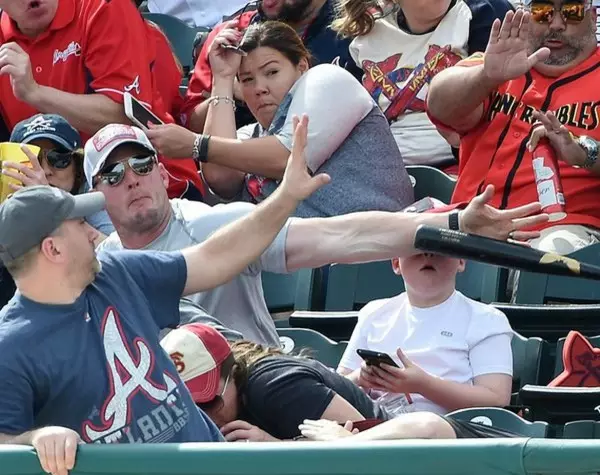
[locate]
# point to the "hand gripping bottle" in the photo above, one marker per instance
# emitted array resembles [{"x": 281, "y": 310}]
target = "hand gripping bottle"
[{"x": 547, "y": 180}]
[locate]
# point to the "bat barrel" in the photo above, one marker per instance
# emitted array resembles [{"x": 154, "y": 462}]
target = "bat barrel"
[{"x": 500, "y": 253}]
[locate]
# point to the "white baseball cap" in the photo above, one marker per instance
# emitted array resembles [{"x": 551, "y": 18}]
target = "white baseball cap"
[{"x": 99, "y": 147}]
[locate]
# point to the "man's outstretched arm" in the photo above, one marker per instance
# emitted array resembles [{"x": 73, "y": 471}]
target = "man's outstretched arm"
[
  {"x": 377, "y": 236},
  {"x": 231, "y": 249}
]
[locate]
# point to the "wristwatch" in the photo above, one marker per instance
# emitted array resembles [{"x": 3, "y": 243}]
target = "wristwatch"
[
  {"x": 591, "y": 149},
  {"x": 453, "y": 221}
]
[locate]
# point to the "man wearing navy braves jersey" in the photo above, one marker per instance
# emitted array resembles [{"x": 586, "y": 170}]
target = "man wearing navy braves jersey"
[{"x": 81, "y": 359}]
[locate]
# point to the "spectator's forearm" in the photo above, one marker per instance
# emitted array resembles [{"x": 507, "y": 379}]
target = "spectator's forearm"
[
  {"x": 355, "y": 238},
  {"x": 198, "y": 117},
  {"x": 220, "y": 122},
  {"x": 21, "y": 439},
  {"x": 265, "y": 156},
  {"x": 86, "y": 112},
  {"x": 220, "y": 118},
  {"x": 456, "y": 96},
  {"x": 452, "y": 395}
]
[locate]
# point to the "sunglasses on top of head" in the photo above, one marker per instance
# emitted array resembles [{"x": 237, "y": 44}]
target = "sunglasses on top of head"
[
  {"x": 571, "y": 12},
  {"x": 114, "y": 173},
  {"x": 57, "y": 158}
]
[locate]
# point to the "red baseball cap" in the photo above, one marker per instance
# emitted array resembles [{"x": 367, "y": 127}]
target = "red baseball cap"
[{"x": 198, "y": 352}]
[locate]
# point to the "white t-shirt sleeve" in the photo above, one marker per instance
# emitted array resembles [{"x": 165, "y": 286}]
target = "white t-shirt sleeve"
[
  {"x": 245, "y": 132},
  {"x": 350, "y": 359},
  {"x": 272, "y": 260},
  {"x": 334, "y": 102},
  {"x": 489, "y": 339},
  {"x": 353, "y": 48}
]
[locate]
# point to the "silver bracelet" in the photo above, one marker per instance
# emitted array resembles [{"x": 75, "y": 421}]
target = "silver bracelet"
[{"x": 227, "y": 100}]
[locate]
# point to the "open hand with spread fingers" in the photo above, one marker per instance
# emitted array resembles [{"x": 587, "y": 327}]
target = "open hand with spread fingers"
[
  {"x": 297, "y": 181},
  {"x": 507, "y": 56},
  {"x": 28, "y": 175},
  {"x": 481, "y": 218},
  {"x": 562, "y": 141}
]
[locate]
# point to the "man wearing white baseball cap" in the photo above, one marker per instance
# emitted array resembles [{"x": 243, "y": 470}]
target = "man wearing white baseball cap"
[
  {"x": 117, "y": 147},
  {"x": 119, "y": 165},
  {"x": 96, "y": 372}
]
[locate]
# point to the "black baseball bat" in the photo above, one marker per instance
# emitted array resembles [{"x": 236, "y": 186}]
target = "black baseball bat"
[{"x": 500, "y": 253}]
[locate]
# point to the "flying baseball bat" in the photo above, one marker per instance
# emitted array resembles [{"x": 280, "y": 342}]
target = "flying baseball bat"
[{"x": 500, "y": 253}]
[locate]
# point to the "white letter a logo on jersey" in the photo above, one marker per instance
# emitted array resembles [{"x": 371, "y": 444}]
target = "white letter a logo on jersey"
[{"x": 128, "y": 374}]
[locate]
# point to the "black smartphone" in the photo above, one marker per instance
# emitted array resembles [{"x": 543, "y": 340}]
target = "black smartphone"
[{"x": 375, "y": 358}]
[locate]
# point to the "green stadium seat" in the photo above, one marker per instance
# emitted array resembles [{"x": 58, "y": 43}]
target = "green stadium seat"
[
  {"x": 179, "y": 34},
  {"x": 561, "y": 405},
  {"x": 542, "y": 289},
  {"x": 502, "y": 419},
  {"x": 295, "y": 291},
  {"x": 581, "y": 430},
  {"x": 431, "y": 182},
  {"x": 552, "y": 322},
  {"x": 352, "y": 286},
  {"x": 323, "y": 349},
  {"x": 527, "y": 360}
]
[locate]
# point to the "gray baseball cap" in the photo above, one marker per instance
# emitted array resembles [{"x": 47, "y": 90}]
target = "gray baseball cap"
[{"x": 33, "y": 213}]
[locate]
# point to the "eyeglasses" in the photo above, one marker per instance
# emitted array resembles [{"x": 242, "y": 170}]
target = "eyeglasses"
[
  {"x": 114, "y": 173},
  {"x": 571, "y": 12},
  {"x": 57, "y": 158}
]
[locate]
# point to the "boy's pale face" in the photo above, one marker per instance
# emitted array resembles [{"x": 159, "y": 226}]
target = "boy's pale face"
[{"x": 427, "y": 273}]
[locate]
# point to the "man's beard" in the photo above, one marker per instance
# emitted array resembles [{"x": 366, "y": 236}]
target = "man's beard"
[
  {"x": 144, "y": 222},
  {"x": 92, "y": 271},
  {"x": 572, "y": 46},
  {"x": 294, "y": 12}
]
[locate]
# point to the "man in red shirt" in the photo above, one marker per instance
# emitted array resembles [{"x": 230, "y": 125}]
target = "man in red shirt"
[
  {"x": 537, "y": 79},
  {"x": 76, "y": 58}
]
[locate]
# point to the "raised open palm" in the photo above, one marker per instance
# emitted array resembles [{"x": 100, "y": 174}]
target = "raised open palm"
[
  {"x": 507, "y": 56},
  {"x": 297, "y": 180}
]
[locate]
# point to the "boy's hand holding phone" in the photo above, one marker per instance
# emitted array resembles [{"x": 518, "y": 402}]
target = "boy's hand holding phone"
[{"x": 392, "y": 379}]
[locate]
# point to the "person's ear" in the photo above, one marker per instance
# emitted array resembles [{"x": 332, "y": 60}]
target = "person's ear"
[
  {"x": 396, "y": 266},
  {"x": 303, "y": 65},
  {"x": 461, "y": 265},
  {"x": 164, "y": 175},
  {"x": 52, "y": 249}
]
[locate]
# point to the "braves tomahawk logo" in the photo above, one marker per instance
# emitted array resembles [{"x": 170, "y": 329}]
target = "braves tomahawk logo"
[
  {"x": 399, "y": 89},
  {"x": 159, "y": 413}
]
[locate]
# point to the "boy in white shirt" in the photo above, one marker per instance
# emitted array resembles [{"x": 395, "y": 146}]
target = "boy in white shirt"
[{"x": 452, "y": 352}]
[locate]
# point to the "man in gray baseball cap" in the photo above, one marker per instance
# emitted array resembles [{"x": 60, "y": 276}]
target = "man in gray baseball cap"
[
  {"x": 81, "y": 357},
  {"x": 34, "y": 213}
]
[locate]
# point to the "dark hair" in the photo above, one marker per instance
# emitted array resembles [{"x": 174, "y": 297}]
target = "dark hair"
[
  {"x": 276, "y": 35},
  {"x": 79, "y": 175},
  {"x": 244, "y": 355}
]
